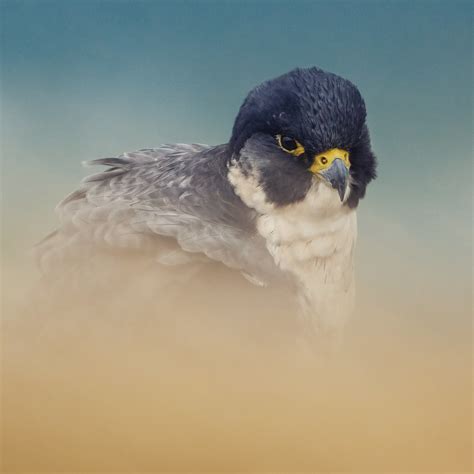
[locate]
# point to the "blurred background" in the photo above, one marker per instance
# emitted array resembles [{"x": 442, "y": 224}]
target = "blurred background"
[{"x": 88, "y": 79}]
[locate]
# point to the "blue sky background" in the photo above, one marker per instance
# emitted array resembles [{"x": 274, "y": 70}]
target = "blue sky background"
[{"x": 86, "y": 79}]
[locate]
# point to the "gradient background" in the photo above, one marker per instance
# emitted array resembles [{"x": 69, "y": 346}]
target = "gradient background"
[{"x": 86, "y": 79}]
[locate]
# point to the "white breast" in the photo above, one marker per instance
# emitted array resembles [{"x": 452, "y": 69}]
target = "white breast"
[{"x": 314, "y": 241}]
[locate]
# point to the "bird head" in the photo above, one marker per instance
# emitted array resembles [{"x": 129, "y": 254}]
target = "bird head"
[{"x": 304, "y": 126}]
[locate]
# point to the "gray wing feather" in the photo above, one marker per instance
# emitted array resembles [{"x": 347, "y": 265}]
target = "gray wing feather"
[{"x": 174, "y": 201}]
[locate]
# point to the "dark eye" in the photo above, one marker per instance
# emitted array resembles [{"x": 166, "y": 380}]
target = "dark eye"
[{"x": 288, "y": 143}]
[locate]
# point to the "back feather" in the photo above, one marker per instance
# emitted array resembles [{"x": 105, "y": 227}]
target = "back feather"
[{"x": 171, "y": 203}]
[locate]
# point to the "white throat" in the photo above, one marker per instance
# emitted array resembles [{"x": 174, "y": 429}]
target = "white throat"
[{"x": 314, "y": 241}]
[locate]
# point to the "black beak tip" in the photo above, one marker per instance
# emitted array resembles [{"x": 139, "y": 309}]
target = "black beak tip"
[{"x": 341, "y": 191}]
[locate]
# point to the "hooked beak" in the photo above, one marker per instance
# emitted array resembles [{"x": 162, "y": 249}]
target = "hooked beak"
[
  {"x": 337, "y": 175},
  {"x": 333, "y": 166}
]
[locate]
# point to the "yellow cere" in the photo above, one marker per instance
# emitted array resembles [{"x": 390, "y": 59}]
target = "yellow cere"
[{"x": 324, "y": 160}]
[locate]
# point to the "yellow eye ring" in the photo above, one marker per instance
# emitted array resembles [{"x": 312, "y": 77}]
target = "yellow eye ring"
[{"x": 290, "y": 145}]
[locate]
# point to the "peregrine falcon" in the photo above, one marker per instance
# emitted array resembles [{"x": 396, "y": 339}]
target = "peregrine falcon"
[{"x": 276, "y": 203}]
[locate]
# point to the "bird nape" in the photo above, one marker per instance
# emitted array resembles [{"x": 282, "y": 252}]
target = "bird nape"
[{"x": 276, "y": 204}]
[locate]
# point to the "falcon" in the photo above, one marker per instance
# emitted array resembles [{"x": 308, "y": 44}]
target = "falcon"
[{"x": 277, "y": 203}]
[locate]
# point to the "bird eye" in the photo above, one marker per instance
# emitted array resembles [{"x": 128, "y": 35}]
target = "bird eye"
[
  {"x": 324, "y": 160},
  {"x": 290, "y": 145}
]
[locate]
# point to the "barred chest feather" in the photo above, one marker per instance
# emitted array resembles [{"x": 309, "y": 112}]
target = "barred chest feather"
[{"x": 313, "y": 240}]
